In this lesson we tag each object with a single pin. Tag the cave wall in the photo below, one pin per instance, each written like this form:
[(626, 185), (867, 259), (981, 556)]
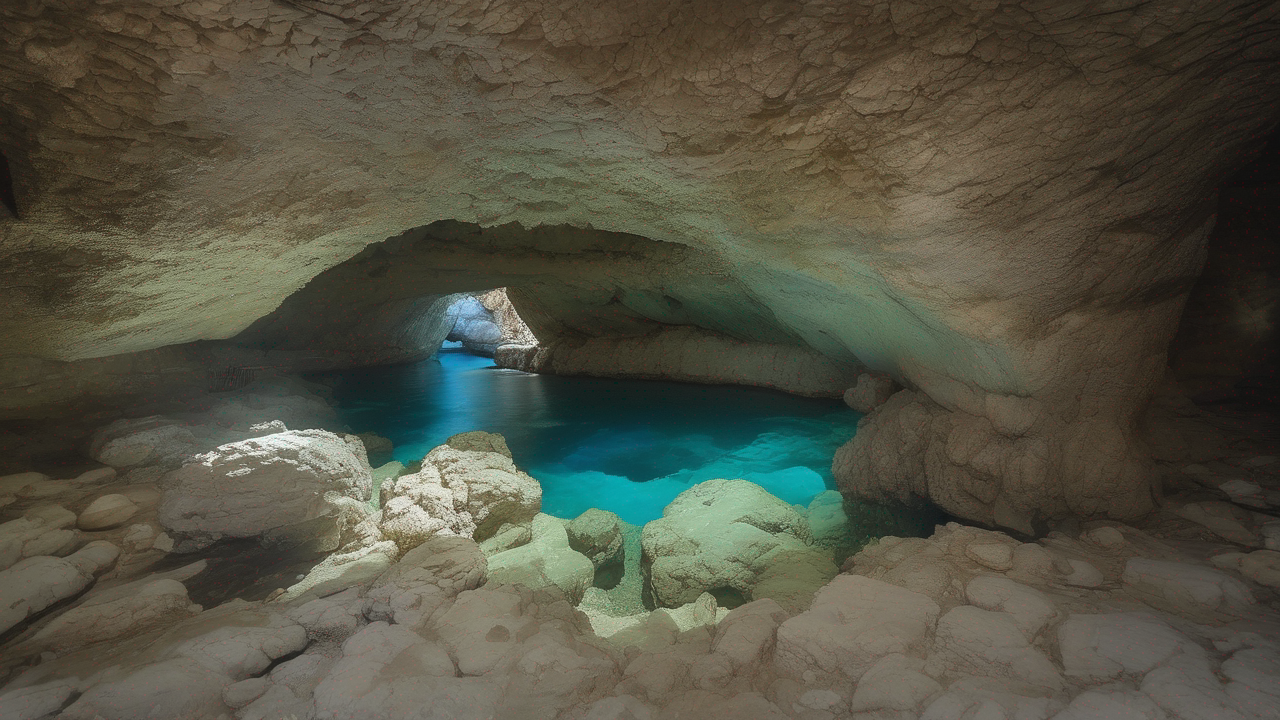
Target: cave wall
[(1002, 204)]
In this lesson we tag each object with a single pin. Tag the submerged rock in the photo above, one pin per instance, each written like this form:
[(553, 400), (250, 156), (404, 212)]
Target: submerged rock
[(732, 538)]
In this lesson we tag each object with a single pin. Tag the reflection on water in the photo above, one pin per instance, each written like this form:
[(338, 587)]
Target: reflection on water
[(628, 446)]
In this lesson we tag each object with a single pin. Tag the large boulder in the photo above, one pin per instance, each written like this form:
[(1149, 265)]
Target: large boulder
[(597, 534), (547, 560), (251, 487), (465, 492), (423, 583), (735, 540), (38, 582), (42, 530)]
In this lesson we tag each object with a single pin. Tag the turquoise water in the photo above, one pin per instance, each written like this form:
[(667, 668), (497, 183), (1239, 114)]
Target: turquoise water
[(629, 446)]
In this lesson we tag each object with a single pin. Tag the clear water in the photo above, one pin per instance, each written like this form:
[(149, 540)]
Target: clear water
[(629, 446)]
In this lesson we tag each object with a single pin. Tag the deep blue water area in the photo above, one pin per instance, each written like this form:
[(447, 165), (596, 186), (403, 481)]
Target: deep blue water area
[(629, 446)]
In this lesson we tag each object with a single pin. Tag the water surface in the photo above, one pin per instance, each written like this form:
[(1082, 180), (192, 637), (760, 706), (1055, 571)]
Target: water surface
[(629, 446)]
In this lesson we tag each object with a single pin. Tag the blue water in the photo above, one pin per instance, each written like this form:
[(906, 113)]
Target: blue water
[(629, 446)]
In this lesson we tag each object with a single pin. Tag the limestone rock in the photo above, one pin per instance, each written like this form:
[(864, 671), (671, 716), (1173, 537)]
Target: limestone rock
[(471, 493), (1113, 705), (731, 534), (1103, 647), (37, 701), (997, 556), (1262, 567), (598, 535), (1031, 609), (479, 441), (34, 584), (151, 440), (247, 488), (42, 530), (1223, 519), (507, 537), (895, 682), (972, 641), (339, 571), (1083, 574), (150, 604), (546, 561), (854, 621), (1186, 589), (423, 583), (105, 512), (871, 392), (828, 523)]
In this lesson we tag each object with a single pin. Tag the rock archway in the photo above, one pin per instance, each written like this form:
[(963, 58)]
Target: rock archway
[(1003, 205)]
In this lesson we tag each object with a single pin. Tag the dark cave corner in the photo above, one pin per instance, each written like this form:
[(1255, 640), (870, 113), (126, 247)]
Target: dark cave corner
[(1226, 350), (7, 197)]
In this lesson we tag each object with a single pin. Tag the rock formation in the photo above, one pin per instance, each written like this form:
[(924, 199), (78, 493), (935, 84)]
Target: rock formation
[(1001, 205)]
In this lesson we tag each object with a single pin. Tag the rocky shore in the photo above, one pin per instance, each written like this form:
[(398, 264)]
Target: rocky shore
[(442, 591)]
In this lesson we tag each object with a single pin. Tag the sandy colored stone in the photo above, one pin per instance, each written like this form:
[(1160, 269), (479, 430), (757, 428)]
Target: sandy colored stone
[(105, 512)]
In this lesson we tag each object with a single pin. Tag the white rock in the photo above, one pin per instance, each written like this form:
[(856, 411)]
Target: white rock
[(973, 641), (1262, 567), (339, 571), (40, 531), (1111, 705), (147, 605), (997, 556), (238, 652), (424, 582), (546, 561), (107, 511), (598, 535), (1103, 647), (1083, 574), (1030, 608), (35, 702), (247, 488), (853, 622), (470, 493), (389, 672), (34, 584), (896, 682), (732, 534), (96, 476), (177, 688), (1187, 688), (1186, 589), (1105, 537), (150, 440), (237, 695)]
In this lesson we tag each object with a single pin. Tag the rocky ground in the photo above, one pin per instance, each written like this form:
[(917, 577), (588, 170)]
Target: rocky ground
[(240, 562)]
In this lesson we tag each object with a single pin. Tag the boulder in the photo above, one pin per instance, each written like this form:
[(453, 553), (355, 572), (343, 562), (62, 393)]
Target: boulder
[(546, 561), (895, 682), (1108, 646), (375, 445), (43, 530), (150, 604), (1111, 705), (143, 441), (853, 622), (37, 701), (973, 641), (339, 571), (597, 534), (106, 512), (870, 392), (34, 584), (507, 537), (1187, 589), (1030, 609), (422, 585), (247, 488), (471, 493), (479, 441), (731, 537)]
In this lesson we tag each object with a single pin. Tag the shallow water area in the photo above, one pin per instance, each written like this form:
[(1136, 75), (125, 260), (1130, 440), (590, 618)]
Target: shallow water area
[(628, 446)]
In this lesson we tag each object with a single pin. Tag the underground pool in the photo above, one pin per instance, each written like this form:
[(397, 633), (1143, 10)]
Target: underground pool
[(628, 446)]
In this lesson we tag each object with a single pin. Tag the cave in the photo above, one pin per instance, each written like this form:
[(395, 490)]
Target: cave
[(601, 361)]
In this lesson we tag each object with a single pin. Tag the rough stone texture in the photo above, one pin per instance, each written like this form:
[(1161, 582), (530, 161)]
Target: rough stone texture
[(546, 561), (1001, 204), (247, 488), (423, 583), (731, 535), (1187, 589), (597, 534), (467, 492), (36, 583), (854, 621), (42, 530), (869, 393), (106, 512), (147, 605)]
